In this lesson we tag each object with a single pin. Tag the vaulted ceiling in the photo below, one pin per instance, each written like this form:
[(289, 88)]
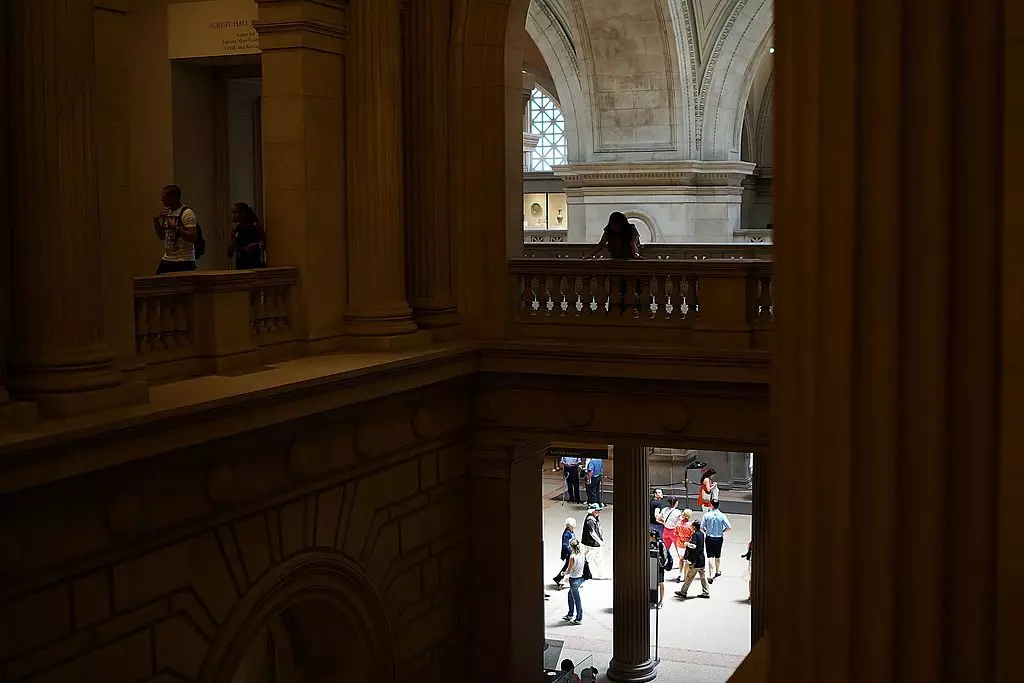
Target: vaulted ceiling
[(655, 79)]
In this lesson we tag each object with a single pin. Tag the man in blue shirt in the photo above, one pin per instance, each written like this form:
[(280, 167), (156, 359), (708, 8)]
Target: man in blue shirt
[(571, 472), (715, 525), (595, 467)]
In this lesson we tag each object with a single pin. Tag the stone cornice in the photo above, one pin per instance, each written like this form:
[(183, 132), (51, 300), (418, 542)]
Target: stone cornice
[(656, 174)]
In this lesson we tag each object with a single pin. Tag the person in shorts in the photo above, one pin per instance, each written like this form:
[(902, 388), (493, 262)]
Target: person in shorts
[(715, 525)]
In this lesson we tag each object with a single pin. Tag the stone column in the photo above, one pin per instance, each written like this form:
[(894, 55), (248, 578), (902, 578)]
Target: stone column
[(427, 210), (509, 596), (759, 537), (378, 314), (631, 626), (59, 358), (739, 475), (888, 360), (303, 113)]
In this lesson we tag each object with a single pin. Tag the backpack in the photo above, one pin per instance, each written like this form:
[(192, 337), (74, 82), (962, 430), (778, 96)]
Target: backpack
[(665, 560), (200, 244)]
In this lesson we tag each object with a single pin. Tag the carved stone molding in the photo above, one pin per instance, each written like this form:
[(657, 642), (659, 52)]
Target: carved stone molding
[(655, 174)]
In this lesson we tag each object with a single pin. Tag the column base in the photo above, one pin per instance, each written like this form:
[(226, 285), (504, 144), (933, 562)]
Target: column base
[(631, 673), (16, 413), (440, 321), (388, 342), (82, 402)]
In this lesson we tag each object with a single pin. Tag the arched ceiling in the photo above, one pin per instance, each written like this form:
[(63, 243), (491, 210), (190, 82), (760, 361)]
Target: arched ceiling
[(655, 79)]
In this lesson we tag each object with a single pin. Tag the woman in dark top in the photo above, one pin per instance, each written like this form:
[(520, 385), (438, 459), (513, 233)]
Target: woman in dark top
[(248, 238), (620, 237)]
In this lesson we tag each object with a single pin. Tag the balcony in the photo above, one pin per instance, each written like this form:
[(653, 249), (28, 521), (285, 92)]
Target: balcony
[(554, 249), (214, 322), (710, 304)]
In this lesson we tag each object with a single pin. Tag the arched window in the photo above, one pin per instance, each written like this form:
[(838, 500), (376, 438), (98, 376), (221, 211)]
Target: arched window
[(546, 120)]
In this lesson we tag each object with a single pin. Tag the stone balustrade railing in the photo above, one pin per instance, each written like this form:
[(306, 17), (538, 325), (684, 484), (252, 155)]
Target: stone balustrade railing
[(706, 304), (209, 322), (657, 251)]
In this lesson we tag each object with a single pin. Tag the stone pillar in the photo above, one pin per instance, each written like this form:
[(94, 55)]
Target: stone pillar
[(59, 358), (508, 596), (378, 314), (888, 357), (762, 549), (739, 475), (303, 113), (427, 210), (631, 626)]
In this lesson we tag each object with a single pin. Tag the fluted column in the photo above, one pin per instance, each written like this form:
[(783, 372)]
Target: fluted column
[(762, 549), (631, 615), (888, 361), (376, 242), (59, 358), (427, 214)]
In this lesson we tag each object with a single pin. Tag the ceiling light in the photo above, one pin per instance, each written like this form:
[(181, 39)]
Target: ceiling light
[(771, 51)]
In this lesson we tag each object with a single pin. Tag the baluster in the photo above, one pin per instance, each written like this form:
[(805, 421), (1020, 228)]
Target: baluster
[(156, 341), (167, 322), (547, 303), (648, 286), (693, 297), (182, 334), (683, 297), (281, 305), (525, 293), (141, 327), (271, 315), (257, 311), (765, 311), (672, 297), (578, 296), (606, 294)]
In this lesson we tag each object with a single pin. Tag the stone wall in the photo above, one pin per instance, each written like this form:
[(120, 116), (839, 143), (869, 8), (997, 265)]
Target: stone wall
[(154, 571)]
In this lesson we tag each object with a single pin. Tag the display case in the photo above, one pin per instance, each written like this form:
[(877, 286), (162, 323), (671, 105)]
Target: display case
[(545, 211)]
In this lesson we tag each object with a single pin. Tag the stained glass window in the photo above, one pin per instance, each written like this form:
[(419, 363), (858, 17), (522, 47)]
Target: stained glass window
[(547, 121)]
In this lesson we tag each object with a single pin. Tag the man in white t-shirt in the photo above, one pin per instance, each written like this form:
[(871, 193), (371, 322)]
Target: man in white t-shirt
[(176, 226)]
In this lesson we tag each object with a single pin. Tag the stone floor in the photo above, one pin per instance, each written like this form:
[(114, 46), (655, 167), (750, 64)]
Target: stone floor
[(701, 641)]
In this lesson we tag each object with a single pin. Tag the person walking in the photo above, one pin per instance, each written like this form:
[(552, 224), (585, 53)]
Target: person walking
[(176, 226), (695, 564), (708, 490), (571, 472), (671, 518), (658, 549), (657, 503), (593, 541), (683, 534), (595, 469), (715, 525), (568, 535), (575, 573)]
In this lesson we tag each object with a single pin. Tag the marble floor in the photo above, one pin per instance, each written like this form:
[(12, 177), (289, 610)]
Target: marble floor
[(699, 641)]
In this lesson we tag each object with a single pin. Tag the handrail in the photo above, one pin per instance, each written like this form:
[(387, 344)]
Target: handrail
[(658, 251)]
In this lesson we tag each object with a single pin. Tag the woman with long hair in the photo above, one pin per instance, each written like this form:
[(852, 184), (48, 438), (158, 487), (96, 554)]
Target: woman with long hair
[(575, 573), (248, 240), (708, 489)]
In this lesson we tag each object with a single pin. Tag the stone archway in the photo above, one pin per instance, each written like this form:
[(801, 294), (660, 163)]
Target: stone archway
[(321, 618)]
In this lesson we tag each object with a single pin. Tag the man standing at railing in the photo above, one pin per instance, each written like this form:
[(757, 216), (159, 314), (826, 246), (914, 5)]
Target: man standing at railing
[(177, 226)]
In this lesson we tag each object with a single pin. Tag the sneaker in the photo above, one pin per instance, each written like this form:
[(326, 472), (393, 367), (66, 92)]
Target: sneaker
[(717, 574), (577, 622), (659, 605), (711, 580), (705, 595), (567, 617)]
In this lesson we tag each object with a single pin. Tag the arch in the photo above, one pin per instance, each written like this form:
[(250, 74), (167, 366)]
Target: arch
[(648, 221), (730, 71), (554, 40), (312, 576)]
